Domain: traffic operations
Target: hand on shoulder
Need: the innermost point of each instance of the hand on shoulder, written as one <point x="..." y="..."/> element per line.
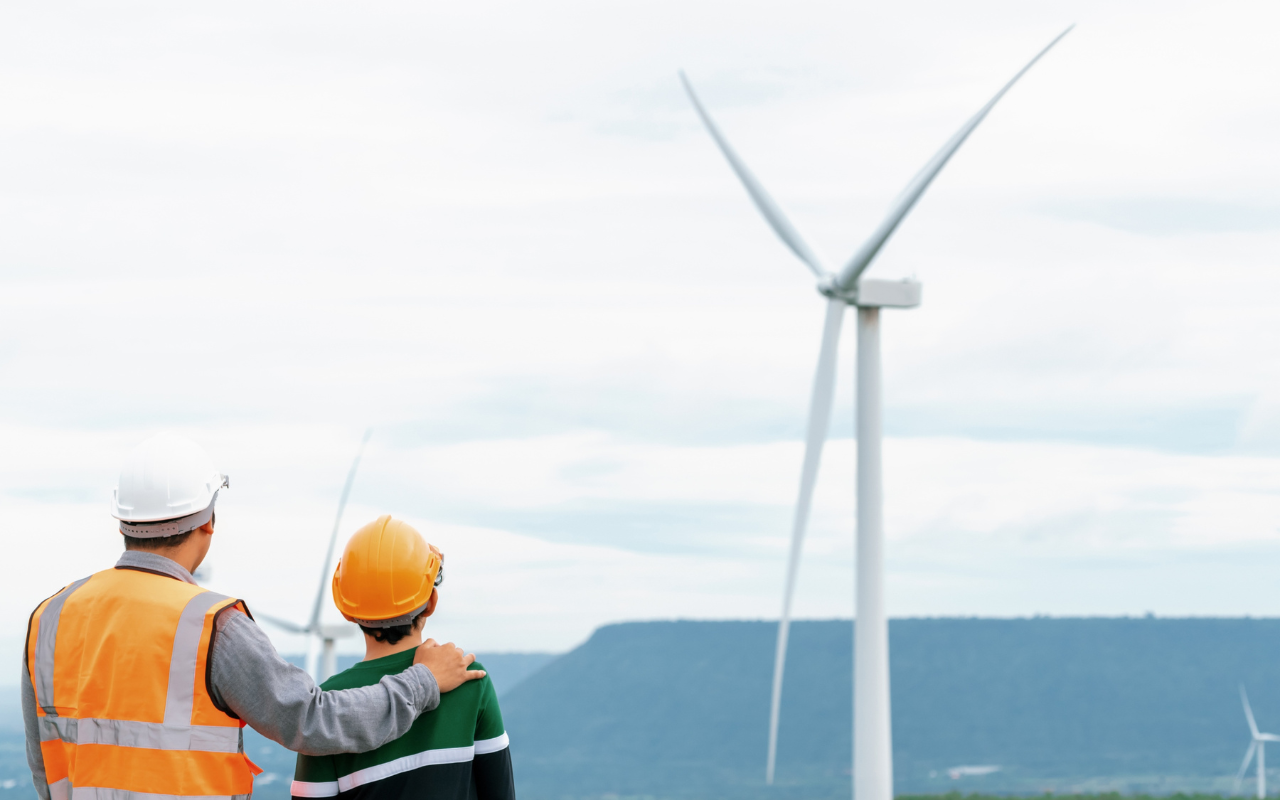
<point x="448" y="663"/>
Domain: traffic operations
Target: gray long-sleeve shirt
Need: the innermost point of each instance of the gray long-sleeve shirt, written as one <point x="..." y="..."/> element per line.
<point x="276" y="698"/>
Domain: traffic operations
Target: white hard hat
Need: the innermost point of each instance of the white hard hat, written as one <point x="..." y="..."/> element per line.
<point x="168" y="486"/>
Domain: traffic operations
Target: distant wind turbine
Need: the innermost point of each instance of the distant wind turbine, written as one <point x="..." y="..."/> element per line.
<point x="872" y="740"/>
<point x="1258" y="745"/>
<point x="326" y="635"/>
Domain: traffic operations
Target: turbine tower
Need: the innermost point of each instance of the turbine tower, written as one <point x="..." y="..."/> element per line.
<point x="316" y="632"/>
<point x="1258" y="745"/>
<point x="872" y="740"/>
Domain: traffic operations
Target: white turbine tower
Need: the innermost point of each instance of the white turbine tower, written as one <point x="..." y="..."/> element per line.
<point x="872" y="751"/>
<point x="318" y="633"/>
<point x="1258" y="745"/>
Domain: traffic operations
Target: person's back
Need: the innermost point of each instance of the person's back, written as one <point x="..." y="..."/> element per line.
<point x="458" y="752"/>
<point x="386" y="583"/>
<point x="125" y="627"/>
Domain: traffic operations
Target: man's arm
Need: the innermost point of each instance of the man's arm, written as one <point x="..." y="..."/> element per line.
<point x="31" y="723"/>
<point x="282" y="703"/>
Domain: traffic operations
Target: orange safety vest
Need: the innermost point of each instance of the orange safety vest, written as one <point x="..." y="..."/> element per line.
<point x="120" y="666"/>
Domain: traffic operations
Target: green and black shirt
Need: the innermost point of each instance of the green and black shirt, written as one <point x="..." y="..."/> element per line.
<point x="456" y="752"/>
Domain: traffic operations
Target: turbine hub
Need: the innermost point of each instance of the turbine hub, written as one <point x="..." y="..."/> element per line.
<point x="829" y="286"/>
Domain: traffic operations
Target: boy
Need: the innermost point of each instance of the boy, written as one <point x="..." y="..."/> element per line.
<point x="386" y="583"/>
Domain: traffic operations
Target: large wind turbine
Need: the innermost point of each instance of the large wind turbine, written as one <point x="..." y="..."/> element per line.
<point x="1258" y="744"/>
<point x="326" y="635"/>
<point x="872" y="751"/>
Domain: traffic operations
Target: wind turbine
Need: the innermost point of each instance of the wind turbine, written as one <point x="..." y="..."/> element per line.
<point x="1258" y="744"/>
<point x="327" y="635"/>
<point x="872" y="750"/>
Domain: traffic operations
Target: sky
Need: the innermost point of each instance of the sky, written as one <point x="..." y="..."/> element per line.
<point x="497" y="234"/>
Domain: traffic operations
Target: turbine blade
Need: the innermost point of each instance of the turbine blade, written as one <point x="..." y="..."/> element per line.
<point x="314" y="624"/>
<point x="772" y="213"/>
<point x="284" y="624"/>
<point x="1244" y="766"/>
<point x="1248" y="712"/>
<point x="824" y="389"/>
<point x="907" y="200"/>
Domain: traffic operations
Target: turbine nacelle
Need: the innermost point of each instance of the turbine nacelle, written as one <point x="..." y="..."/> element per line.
<point x="874" y="292"/>
<point x="340" y="630"/>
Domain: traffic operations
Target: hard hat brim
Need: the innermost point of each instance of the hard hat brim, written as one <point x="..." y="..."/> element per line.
<point x="403" y="619"/>
<point x="169" y="527"/>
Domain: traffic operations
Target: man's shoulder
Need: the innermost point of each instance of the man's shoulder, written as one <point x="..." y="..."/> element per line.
<point x="471" y="690"/>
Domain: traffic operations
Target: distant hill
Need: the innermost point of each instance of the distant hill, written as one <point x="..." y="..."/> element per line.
<point x="509" y="670"/>
<point x="681" y="708"/>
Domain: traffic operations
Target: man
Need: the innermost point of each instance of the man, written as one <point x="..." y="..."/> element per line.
<point x="137" y="682"/>
<point x="386" y="583"/>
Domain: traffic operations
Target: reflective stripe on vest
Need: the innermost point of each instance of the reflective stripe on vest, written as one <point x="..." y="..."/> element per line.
<point x="176" y="732"/>
<point x="125" y="757"/>
<point x="46" y="641"/>
<point x="62" y="791"/>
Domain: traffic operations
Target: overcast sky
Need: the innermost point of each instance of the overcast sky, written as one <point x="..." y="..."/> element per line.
<point x="497" y="234"/>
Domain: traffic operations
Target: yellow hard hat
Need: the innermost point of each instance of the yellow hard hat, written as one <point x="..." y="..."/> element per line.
<point x="386" y="574"/>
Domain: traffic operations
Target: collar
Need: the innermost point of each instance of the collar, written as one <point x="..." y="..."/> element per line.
<point x="154" y="562"/>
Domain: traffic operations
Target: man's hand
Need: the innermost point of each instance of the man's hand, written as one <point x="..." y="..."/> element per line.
<point x="448" y="663"/>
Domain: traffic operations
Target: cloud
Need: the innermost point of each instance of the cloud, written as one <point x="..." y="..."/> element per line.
<point x="500" y="237"/>
<point x="1170" y="216"/>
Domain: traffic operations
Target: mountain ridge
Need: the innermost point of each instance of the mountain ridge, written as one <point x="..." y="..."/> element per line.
<point x="1131" y="702"/>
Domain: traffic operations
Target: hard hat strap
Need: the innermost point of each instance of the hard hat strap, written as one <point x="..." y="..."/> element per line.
<point x="169" y="527"/>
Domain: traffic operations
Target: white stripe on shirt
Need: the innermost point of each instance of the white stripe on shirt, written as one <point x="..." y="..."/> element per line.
<point x="305" y="789"/>
<point x="486" y="746"/>
<point x="449" y="755"/>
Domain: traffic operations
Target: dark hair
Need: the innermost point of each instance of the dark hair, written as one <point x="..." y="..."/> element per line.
<point x="156" y="543"/>
<point x="395" y="633"/>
